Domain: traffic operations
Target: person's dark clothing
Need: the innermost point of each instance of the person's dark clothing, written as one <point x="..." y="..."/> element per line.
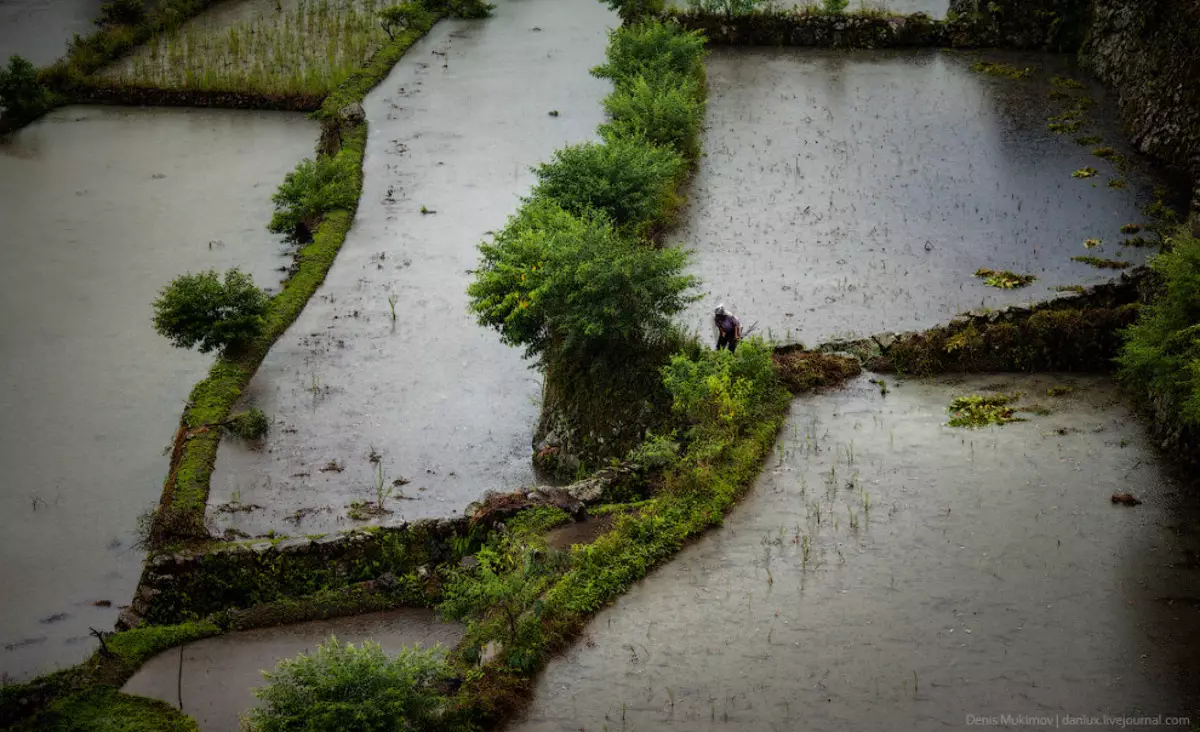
<point x="727" y="325"/>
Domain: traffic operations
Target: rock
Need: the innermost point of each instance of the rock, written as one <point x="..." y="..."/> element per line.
<point x="128" y="618"/>
<point x="353" y="113"/>
<point x="260" y="546"/>
<point x="468" y="563"/>
<point x="885" y="340"/>
<point x="293" y="546"/>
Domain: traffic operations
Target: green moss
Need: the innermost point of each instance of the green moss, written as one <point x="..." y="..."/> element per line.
<point x="138" y="644"/>
<point x="111" y="711"/>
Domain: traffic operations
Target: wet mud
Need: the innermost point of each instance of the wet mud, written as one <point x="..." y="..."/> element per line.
<point x="101" y="208"/>
<point x="427" y="403"/>
<point x="890" y="572"/>
<point x="213" y="680"/>
<point x="39" y="30"/>
<point x="852" y="193"/>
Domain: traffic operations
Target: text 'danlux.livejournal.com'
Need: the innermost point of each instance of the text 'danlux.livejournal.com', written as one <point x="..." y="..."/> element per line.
<point x="1063" y="721"/>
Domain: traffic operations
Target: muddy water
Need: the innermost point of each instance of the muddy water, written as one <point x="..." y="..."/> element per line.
<point x="101" y="207"/>
<point x="856" y="192"/>
<point x="948" y="573"/>
<point x="213" y="680"/>
<point x="40" y="29"/>
<point x="453" y="130"/>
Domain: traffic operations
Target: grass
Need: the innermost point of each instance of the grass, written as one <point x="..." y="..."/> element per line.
<point x="979" y="411"/>
<point x="1004" y="279"/>
<point x="1006" y="71"/>
<point x="304" y="51"/>
<point x="1101" y="263"/>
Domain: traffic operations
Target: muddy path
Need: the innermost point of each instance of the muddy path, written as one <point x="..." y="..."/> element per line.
<point x="889" y="572"/>
<point x="102" y="207"/>
<point x="447" y="408"/>
<point x="852" y="193"/>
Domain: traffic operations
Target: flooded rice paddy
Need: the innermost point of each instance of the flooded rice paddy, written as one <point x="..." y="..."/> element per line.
<point x="855" y="192"/>
<point x="101" y="208"/>
<point x="446" y="407"/>
<point x="889" y="572"/>
<point x="39" y="30"/>
<point x="213" y="680"/>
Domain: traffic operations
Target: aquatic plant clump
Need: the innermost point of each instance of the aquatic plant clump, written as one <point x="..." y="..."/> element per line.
<point x="1006" y="71"/>
<point x="1101" y="263"/>
<point x="979" y="411"/>
<point x="1004" y="279"/>
<point x="1085" y="172"/>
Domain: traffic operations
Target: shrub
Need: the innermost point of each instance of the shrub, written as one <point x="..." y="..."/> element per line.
<point x="627" y="179"/>
<point x="720" y="392"/>
<point x="402" y="17"/>
<point x="21" y="96"/>
<point x="249" y="425"/>
<point x="652" y="50"/>
<point x="631" y="10"/>
<point x="572" y="281"/>
<point x="199" y="310"/>
<point x="342" y="687"/>
<point x="121" y="12"/>
<point x="1162" y="350"/>
<point x="663" y="113"/>
<point x="313" y="189"/>
<point x="461" y="8"/>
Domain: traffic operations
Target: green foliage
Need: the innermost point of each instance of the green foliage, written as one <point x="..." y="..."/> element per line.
<point x="1100" y="262"/>
<point x="573" y="281"/>
<point x="1004" y="279"/>
<point x="343" y="686"/>
<point x="626" y="179"/>
<point x="665" y="111"/>
<point x="250" y="425"/>
<point x="403" y="17"/>
<point x="1007" y="71"/>
<point x="202" y="311"/>
<point x="1162" y="350"/>
<point x="501" y="588"/>
<point x="652" y="50"/>
<point x="22" y="98"/>
<point x="632" y="10"/>
<point x="720" y="393"/>
<point x="108" y="710"/>
<point x="835" y="7"/>
<point x="313" y="189"/>
<point x="727" y="7"/>
<point x="978" y="411"/>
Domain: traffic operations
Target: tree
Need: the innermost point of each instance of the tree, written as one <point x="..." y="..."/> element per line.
<point x="399" y="18"/>
<point x="201" y="311"/>
<point x="552" y="278"/>
<point x="21" y="96"/>
<point x="313" y="189"/>
<point x="347" y="687"/>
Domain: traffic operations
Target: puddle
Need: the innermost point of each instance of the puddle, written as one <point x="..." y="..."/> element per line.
<point x="39" y="30"/>
<point x="102" y="207"/>
<point x="951" y="573"/>
<point x="851" y="193"/>
<point x="440" y="400"/>
<point x="213" y="680"/>
<point x="580" y="532"/>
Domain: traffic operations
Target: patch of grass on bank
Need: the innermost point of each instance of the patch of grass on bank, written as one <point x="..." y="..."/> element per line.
<point x="111" y="711"/>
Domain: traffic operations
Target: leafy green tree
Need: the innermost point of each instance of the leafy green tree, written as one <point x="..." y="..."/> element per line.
<point x="627" y="179"/>
<point x="573" y="282"/>
<point x="1162" y="350"/>
<point x="652" y="50"/>
<point x="399" y="18"/>
<point x="662" y="113"/>
<point x="21" y="96"/>
<point x="632" y="10"/>
<point x="347" y="687"/>
<point x="310" y="191"/>
<point x="202" y="311"/>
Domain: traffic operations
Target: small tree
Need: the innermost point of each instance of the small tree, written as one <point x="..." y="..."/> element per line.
<point x="402" y="17"/>
<point x="201" y="311"/>
<point x="555" y="279"/>
<point x="310" y="191"/>
<point x="666" y="112"/>
<point x="21" y="96"/>
<point x="344" y="687"/>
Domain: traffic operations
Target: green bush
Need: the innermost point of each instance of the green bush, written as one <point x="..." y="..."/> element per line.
<point x="627" y="179"/>
<point x="1162" y="350"/>
<point x="721" y="392"/>
<point x="249" y="425"/>
<point x="344" y="687"/>
<point x="667" y="113"/>
<point x="402" y="17"/>
<point x="313" y="189"/>
<point x="653" y="50"/>
<point x="121" y="12"/>
<point x="552" y="278"/>
<point x="461" y="8"/>
<point x="632" y="10"/>
<point x="21" y="96"/>
<point x="199" y="310"/>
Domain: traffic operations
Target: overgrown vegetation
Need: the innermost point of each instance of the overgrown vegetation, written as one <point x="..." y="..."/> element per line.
<point x="1100" y="262"/>
<point x="976" y="411"/>
<point x="343" y="686"/>
<point x="1162" y="350"/>
<point x="205" y="312"/>
<point x="1004" y="279"/>
<point x="107" y="709"/>
<point x="312" y="190"/>
<point x="22" y="97"/>
<point x="1007" y="71"/>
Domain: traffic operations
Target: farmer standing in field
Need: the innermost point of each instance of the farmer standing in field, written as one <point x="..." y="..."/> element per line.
<point x="729" y="329"/>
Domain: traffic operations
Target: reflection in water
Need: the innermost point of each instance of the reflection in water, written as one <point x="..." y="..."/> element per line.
<point x="889" y="572"/>
<point x="858" y="192"/>
<point x="101" y="208"/>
